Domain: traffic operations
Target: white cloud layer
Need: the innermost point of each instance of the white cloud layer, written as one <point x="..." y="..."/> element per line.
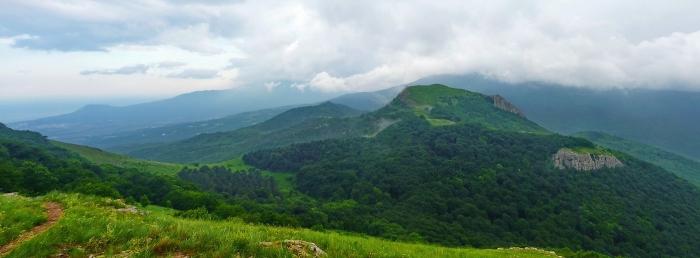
<point x="356" y="45"/>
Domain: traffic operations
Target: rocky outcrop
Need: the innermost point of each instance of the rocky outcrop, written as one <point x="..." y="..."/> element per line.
<point x="503" y="104"/>
<point x="569" y="159"/>
<point x="299" y="248"/>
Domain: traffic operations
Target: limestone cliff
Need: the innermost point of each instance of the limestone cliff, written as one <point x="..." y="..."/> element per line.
<point x="566" y="158"/>
<point x="503" y="104"/>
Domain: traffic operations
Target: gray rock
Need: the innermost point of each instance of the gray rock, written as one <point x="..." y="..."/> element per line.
<point x="503" y="104"/>
<point x="569" y="159"/>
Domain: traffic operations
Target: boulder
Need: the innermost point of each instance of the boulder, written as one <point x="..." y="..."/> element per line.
<point x="569" y="159"/>
<point x="299" y="248"/>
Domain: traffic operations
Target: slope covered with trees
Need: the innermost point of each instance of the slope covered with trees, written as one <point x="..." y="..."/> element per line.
<point x="471" y="183"/>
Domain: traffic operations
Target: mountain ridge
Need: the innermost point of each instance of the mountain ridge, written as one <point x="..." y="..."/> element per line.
<point x="454" y="106"/>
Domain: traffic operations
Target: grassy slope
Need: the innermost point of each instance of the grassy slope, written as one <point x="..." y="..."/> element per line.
<point x="679" y="165"/>
<point x="101" y="157"/>
<point x="93" y="226"/>
<point x="18" y="214"/>
<point x="442" y="105"/>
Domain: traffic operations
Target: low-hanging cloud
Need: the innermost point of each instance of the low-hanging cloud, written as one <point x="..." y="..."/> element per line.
<point x="366" y="45"/>
<point x="196" y="74"/>
<point x="126" y="70"/>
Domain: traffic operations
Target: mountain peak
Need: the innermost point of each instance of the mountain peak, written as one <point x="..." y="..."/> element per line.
<point x="442" y="105"/>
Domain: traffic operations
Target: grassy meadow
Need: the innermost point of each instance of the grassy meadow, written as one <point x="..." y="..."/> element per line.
<point x="18" y="214"/>
<point x="96" y="226"/>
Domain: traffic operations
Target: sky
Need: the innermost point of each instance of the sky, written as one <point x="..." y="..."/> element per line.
<point x="158" y="48"/>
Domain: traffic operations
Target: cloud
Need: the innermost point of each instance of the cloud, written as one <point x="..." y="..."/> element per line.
<point x="365" y="45"/>
<point x="169" y="65"/>
<point x="133" y="69"/>
<point x="196" y="74"/>
<point x="270" y="86"/>
<point x="136" y="69"/>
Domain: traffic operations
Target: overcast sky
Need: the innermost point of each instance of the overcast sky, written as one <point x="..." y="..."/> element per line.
<point x="162" y="48"/>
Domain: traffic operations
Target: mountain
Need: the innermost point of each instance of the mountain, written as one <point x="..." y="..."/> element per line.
<point x="288" y="127"/>
<point x="330" y="120"/>
<point x="677" y="164"/>
<point x="102" y="120"/>
<point x="655" y="117"/>
<point x="663" y="118"/>
<point x="124" y="141"/>
<point x="456" y="168"/>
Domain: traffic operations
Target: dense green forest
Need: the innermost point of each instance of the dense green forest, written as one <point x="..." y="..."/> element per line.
<point x="464" y="185"/>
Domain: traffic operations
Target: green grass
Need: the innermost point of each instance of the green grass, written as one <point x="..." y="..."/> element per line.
<point x="92" y="225"/>
<point x="232" y="164"/>
<point x="101" y="157"/>
<point x="440" y="122"/>
<point x="18" y="214"/>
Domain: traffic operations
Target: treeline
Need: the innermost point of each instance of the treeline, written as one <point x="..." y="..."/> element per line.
<point x="249" y="184"/>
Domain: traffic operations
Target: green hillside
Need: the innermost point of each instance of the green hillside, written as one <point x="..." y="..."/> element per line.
<point x="97" y="226"/>
<point x="677" y="164"/>
<point x="302" y="124"/>
<point x="101" y="157"/>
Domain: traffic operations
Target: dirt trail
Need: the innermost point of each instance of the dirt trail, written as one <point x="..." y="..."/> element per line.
<point x="54" y="212"/>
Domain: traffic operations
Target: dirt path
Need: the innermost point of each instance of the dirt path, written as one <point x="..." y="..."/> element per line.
<point x="54" y="212"/>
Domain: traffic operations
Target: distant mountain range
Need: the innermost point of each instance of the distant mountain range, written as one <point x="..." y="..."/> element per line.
<point x="663" y="118"/>
<point x="296" y="125"/>
<point x="95" y="121"/>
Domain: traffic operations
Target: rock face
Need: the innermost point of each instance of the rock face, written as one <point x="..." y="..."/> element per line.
<point x="566" y="158"/>
<point x="503" y="104"/>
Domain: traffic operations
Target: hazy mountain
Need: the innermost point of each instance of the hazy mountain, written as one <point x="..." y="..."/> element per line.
<point x="123" y="141"/>
<point x="295" y="125"/>
<point x="471" y="172"/>
<point x="368" y="101"/>
<point x="102" y="120"/>
<point x="677" y="164"/>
